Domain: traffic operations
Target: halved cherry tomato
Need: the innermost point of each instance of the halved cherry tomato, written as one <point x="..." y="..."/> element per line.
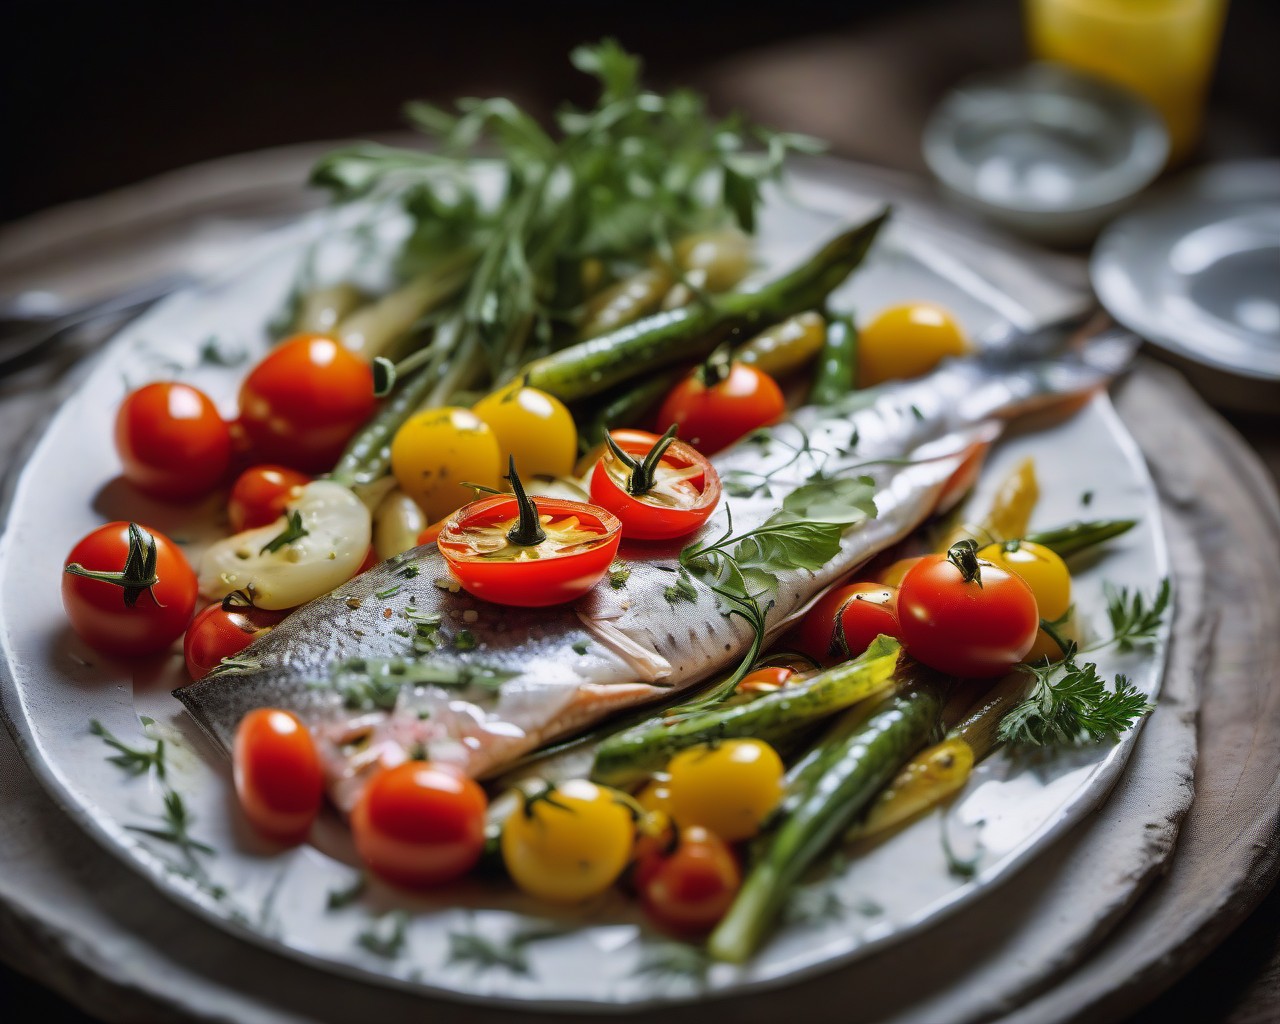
<point x="530" y="552"/>
<point x="688" y="889"/>
<point x="128" y="590"/>
<point x="568" y="842"/>
<point x="420" y="824"/>
<point x="713" y="407"/>
<point x="303" y="402"/>
<point x="659" y="490"/>
<point x="278" y="775"/>
<point x="222" y="632"/>
<point x="533" y="427"/>
<point x="172" y="442"/>
<point x="845" y="621"/>
<point x="964" y="616"/>
<point x="260" y="494"/>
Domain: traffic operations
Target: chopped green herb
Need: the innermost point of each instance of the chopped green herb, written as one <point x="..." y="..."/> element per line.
<point x="580" y="647"/>
<point x="177" y="827"/>
<point x="1086" y="498"/>
<point x="339" y="898"/>
<point x="483" y="954"/>
<point x="293" y="531"/>
<point x="215" y="352"/>
<point x="386" y="936"/>
<point x="675" y="960"/>
<point x="387" y="592"/>
<point x="409" y="571"/>
<point x="134" y="760"/>
<point x="618" y="575"/>
<point x="465" y="640"/>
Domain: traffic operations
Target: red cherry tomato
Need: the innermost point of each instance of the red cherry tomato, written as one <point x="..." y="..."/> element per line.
<point x="172" y="442"/>
<point x="689" y="889"/>
<point x="303" y="402"/>
<point x="420" y="824"/>
<point x="114" y="603"/>
<point x="260" y="494"/>
<point x="278" y="775"/>
<point x="529" y="552"/>
<point x="219" y="632"/>
<point x="964" y="616"/>
<point x="765" y="680"/>
<point x="712" y="414"/>
<point x="845" y="621"/>
<point x="669" y="498"/>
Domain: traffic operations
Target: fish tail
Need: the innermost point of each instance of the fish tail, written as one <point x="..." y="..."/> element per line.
<point x="1059" y="364"/>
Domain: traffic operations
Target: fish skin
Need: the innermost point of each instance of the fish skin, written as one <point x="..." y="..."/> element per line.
<point x="638" y="646"/>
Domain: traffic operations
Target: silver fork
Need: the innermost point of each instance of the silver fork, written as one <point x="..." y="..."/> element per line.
<point x="33" y="323"/>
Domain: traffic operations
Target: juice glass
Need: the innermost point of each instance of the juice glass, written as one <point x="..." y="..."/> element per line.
<point x="1164" y="50"/>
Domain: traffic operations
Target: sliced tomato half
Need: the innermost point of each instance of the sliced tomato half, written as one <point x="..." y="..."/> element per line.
<point x="659" y="488"/>
<point x="531" y="552"/>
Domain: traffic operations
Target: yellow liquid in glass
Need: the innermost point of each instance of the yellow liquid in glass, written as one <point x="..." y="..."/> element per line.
<point x="1164" y="50"/>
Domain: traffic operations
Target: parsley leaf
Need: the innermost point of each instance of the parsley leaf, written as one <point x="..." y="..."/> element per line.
<point x="1069" y="704"/>
<point x="1133" y="620"/>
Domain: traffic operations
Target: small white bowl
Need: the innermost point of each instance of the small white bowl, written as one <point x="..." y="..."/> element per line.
<point x="1045" y="151"/>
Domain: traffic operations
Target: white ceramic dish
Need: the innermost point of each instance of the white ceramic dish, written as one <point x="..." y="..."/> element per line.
<point x="1045" y="151"/>
<point x="602" y="957"/>
<point x="1196" y="269"/>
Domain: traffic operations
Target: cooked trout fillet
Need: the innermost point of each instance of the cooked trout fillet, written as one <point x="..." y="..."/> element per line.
<point x="545" y="673"/>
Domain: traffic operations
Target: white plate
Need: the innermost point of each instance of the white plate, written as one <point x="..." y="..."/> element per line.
<point x="1195" y="269"/>
<point x="53" y="685"/>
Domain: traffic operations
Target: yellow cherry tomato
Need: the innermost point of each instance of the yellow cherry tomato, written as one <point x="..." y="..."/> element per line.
<point x="907" y="341"/>
<point x="570" y="841"/>
<point x="533" y="426"/>
<point x="1040" y="568"/>
<point x="891" y="575"/>
<point x="435" y="451"/>
<point x="728" y="789"/>
<point x="656" y="796"/>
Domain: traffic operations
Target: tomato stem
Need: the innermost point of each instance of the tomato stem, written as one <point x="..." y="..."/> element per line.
<point x="643" y="471"/>
<point x="528" y="531"/>
<point x="139" y="573"/>
<point x="963" y="554"/>
<point x="715" y="369"/>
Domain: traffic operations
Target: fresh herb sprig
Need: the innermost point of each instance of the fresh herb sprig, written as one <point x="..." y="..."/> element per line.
<point x="483" y="954"/>
<point x="1069" y="703"/>
<point x="177" y="822"/>
<point x="292" y="532"/>
<point x="386" y="936"/>
<point x="742" y="569"/>
<point x="134" y="760"/>
<point x="611" y="184"/>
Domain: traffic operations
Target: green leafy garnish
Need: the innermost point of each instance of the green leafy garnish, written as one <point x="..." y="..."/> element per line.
<point x="1133" y="620"/>
<point x="134" y="760"/>
<point x="344" y="897"/>
<point x="177" y="827"/>
<point x="483" y="954"/>
<point x="611" y="184"/>
<point x="1069" y="704"/>
<point x="675" y="960"/>
<point x="375" y="683"/>
<point x="386" y="936"/>
<point x="293" y="531"/>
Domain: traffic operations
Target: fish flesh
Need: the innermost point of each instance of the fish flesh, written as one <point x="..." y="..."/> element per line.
<point x="526" y="677"/>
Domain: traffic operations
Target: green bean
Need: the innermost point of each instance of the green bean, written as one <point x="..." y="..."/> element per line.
<point x="691" y="332"/>
<point x="629" y="756"/>
<point x="1073" y="538"/>
<point x="837" y="362"/>
<point x="369" y="453"/>
<point x="628" y="406"/>
<point x="860" y="764"/>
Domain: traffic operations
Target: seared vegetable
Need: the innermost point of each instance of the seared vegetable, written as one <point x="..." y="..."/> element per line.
<point x="690" y="332"/>
<point x="787" y="346"/>
<point x="837" y="369"/>
<point x="629" y="756"/>
<point x="923" y="782"/>
<point x="1076" y="537"/>
<point x="854" y="770"/>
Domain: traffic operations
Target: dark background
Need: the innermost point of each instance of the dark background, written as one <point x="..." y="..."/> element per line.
<point x="98" y="95"/>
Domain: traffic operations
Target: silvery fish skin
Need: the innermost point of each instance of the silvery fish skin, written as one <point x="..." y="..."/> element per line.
<point x="569" y="666"/>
